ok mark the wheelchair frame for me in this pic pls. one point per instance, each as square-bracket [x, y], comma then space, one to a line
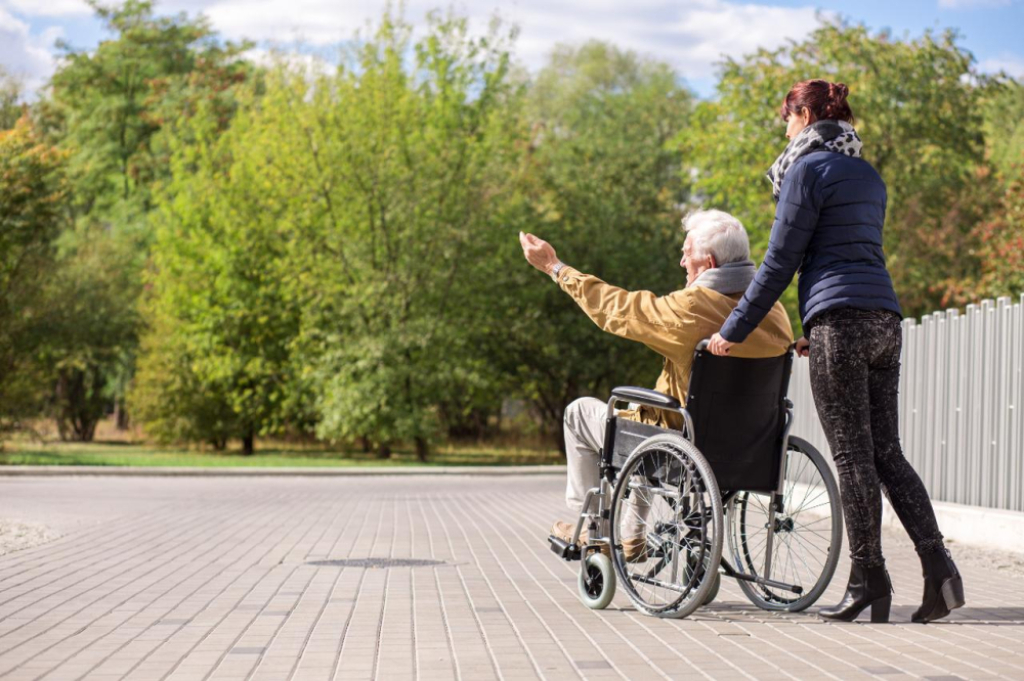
[598, 521]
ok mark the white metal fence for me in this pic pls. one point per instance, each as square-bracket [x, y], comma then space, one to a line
[961, 396]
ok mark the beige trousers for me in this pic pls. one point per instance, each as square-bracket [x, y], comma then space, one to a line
[584, 436]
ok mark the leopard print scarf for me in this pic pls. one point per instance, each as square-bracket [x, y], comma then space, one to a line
[837, 136]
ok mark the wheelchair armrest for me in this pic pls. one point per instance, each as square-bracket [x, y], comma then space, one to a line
[651, 398]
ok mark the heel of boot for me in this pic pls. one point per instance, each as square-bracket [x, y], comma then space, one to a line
[953, 593]
[880, 610]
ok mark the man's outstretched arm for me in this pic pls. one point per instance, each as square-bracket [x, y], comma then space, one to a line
[637, 315]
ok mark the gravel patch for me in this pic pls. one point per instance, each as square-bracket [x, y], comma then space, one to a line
[15, 535]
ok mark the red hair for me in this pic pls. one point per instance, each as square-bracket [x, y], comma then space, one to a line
[823, 99]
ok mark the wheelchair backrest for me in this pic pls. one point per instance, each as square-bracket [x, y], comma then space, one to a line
[738, 410]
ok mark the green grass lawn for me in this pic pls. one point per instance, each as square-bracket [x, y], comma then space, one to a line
[117, 454]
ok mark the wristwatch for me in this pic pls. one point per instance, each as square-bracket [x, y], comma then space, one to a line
[556, 269]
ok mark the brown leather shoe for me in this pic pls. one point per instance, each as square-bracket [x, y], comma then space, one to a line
[564, 530]
[634, 550]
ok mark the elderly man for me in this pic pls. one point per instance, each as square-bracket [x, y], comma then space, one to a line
[716, 257]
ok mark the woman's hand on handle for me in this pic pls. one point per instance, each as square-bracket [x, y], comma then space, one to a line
[803, 347]
[719, 346]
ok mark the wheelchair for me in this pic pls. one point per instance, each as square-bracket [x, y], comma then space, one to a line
[733, 481]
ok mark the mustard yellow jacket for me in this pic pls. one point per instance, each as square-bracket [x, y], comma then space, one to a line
[672, 325]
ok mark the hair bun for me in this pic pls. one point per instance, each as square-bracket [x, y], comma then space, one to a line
[838, 92]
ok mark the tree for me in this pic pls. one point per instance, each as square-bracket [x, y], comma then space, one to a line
[33, 195]
[89, 332]
[221, 320]
[115, 110]
[318, 257]
[413, 163]
[108, 105]
[605, 189]
[917, 104]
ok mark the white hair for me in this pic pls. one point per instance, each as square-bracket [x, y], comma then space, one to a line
[716, 233]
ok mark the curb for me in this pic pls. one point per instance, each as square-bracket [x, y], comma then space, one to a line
[990, 528]
[255, 472]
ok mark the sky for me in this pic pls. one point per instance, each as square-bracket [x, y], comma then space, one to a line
[691, 35]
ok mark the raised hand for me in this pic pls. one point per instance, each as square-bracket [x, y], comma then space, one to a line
[538, 252]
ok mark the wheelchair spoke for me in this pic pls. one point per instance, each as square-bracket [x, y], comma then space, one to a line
[817, 533]
[803, 505]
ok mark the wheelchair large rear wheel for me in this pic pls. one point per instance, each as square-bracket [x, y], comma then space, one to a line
[666, 502]
[808, 533]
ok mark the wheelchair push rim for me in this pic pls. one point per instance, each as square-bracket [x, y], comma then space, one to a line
[808, 533]
[680, 520]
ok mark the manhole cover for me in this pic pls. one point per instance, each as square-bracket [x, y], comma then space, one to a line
[377, 562]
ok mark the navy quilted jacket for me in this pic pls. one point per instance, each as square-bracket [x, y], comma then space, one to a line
[828, 226]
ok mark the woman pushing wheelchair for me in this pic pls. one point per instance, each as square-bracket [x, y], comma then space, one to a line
[828, 225]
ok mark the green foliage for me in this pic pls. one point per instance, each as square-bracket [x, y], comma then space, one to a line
[1000, 250]
[109, 104]
[1004, 128]
[216, 360]
[917, 104]
[90, 324]
[412, 162]
[333, 252]
[115, 111]
[604, 189]
[33, 196]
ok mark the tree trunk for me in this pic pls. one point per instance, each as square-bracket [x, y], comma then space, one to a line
[384, 450]
[249, 443]
[121, 415]
[366, 444]
[422, 449]
[79, 404]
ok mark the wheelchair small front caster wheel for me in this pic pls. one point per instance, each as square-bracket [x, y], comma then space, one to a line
[597, 581]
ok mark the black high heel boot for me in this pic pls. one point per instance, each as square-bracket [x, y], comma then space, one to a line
[867, 587]
[943, 587]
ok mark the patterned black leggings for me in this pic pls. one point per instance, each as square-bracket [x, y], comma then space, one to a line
[855, 373]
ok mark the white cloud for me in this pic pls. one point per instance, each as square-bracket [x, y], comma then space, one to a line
[691, 35]
[47, 8]
[1010, 63]
[24, 54]
[972, 4]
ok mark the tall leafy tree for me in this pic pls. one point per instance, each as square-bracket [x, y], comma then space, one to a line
[605, 190]
[222, 318]
[89, 332]
[326, 246]
[414, 160]
[33, 210]
[107, 105]
[114, 111]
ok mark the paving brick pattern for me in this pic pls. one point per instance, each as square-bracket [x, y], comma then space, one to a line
[267, 578]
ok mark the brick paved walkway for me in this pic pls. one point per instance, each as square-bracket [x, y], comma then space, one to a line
[233, 578]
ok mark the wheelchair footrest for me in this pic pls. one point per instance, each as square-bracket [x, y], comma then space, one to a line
[564, 549]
